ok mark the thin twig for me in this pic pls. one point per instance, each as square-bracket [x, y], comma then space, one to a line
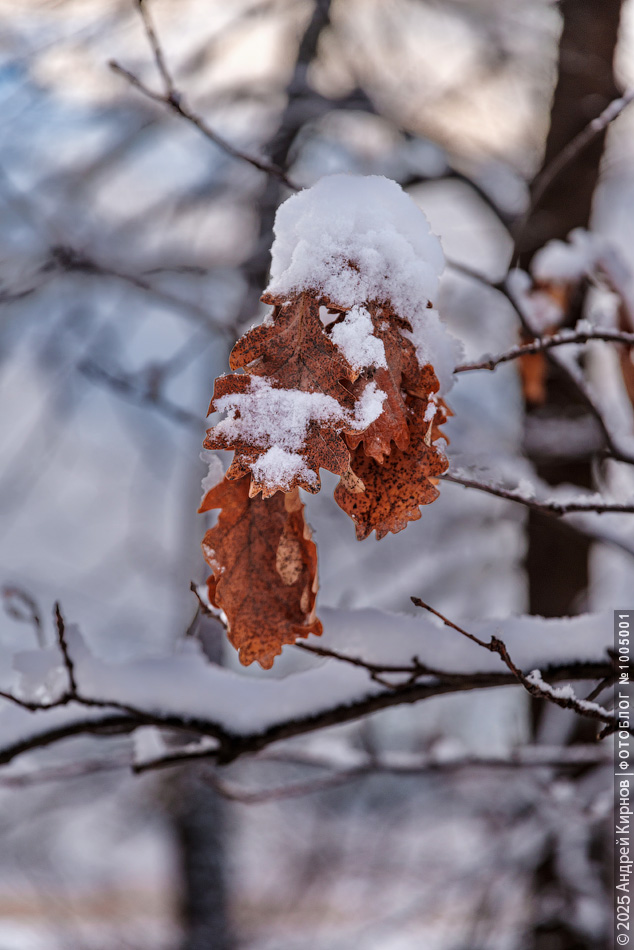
[566, 156]
[157, 52]
[500, 286]
[605, 683]
[549, 343]
[202, 606]
[174, 99]
[556, 508]
[414, 670]
[63, 645]
[244, 796]
[495, 645]
[418, 765]
[175, 102]
[122, 718]
[64, 772]
[69, 260]
[31, 705]
[229, 745]
[612, 450]
[126, 387]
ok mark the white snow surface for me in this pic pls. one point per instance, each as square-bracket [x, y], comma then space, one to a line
[215, 471]
[368, 221]
[280, 467]
[187, 685]
[278, 420]
[371, 223]
[354, 336]
[436, 346]
[564, 692]
[565, 262]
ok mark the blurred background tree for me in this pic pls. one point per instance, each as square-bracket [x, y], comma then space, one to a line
[133, 249]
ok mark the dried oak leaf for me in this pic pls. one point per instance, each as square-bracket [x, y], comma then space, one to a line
[261, 413]
[386, 497]
[294, 355]
[404, 375]
[294, 350]
[264, 565]
[533, 367]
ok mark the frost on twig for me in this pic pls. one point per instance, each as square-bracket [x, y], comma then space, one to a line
[228, 715]
[533, 682]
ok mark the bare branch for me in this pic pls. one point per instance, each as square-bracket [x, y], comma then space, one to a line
[548, 343]
[32, 706]
[157, 52]
[173, 100]
[123, 718]
[109, 724]
[556, 508]
[417, 765]
[70, 260]
[378, 671]
[530, 757]
[64, 772]
[234, 793]
[63, 645]
[534, 686]
[605, 683]
[202, 606]
[612, 450]
[560, 162]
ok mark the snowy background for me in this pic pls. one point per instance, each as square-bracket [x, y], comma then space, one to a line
[130, 256]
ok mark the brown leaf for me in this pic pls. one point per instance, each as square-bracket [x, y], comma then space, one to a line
[294, 350]
[321, 446]
[386, 497]
[546, 296]
[264, 565]
[403, 376]
[294, 355]
[533, 370]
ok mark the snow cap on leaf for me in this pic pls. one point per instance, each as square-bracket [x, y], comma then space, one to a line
[355, 238]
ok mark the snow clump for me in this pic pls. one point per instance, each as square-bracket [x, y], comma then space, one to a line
[354, 239]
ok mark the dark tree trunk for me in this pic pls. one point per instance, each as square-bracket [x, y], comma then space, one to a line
[557, 564]
[198, 816]
[557, 561]
[199, 822]
[585, 86]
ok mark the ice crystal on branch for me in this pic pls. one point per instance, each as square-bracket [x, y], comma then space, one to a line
[359, 397]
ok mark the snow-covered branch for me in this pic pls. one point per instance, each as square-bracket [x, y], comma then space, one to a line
[533, 682]
[592, 503]
[231, 715]
[563, 338]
